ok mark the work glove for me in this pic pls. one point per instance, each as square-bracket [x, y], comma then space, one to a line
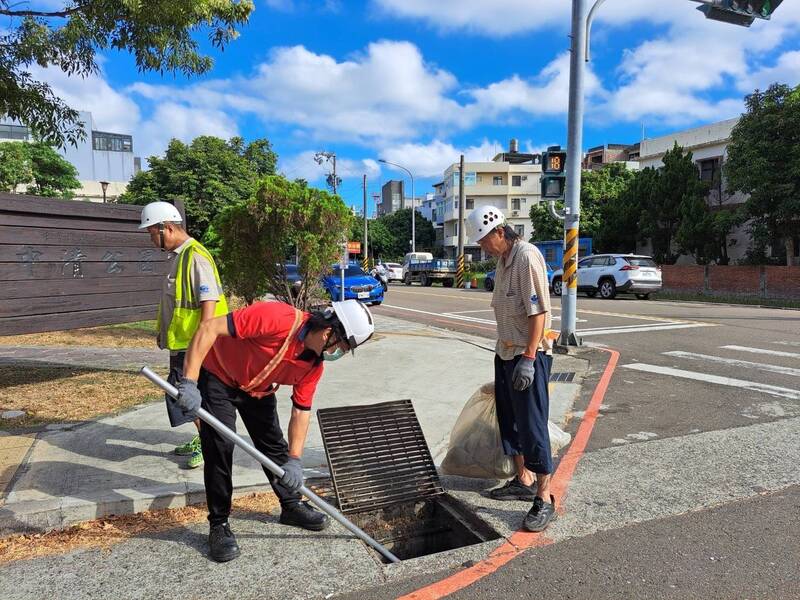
[524, 374]
[188, 397]
[292, 474]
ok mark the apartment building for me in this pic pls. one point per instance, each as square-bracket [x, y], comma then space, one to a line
[392, 198]
[599, 156]
[510, 181]
[708, 145]
[102, 157]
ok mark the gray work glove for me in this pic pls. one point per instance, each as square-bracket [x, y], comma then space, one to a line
[524, 374]
[188, 397]
[292, 474]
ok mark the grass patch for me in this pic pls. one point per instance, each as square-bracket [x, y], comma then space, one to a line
[141, 334]
[69, 394]
[728, 299]
[106, 532]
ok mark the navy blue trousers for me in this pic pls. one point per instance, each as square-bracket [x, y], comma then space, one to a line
[523, 415]
[176, 415]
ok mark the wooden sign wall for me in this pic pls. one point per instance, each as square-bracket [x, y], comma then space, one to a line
[66, 264]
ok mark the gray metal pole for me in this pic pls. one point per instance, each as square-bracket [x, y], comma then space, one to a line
[229, 435]
[366, 228]
[413, 217]
[461, 195]
[572, 209]
[334, 175]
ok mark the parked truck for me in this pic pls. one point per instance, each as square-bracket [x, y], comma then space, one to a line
[422, 267]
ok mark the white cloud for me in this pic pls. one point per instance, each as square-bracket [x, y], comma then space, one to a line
[111, 110]
[304, 166]
[786, 70]
[431, 159]
[173, 120]
[546, 94]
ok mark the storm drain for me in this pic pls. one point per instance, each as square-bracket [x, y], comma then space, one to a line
[385, 481]
[566, 377]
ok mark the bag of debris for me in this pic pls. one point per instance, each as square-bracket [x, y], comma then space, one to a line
[476, 449]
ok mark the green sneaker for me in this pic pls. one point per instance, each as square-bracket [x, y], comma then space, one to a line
[196, 459]
[189, 447]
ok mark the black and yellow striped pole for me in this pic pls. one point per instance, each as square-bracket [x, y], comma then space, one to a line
[460, 272]
[570, 263]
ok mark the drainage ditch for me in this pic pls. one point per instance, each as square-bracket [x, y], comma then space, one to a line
[385, 481]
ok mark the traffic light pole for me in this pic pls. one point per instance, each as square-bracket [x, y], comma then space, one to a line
[572, 200]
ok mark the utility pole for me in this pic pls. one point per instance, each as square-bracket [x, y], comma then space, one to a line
[333, 180]
[366, 227]
[460, 270]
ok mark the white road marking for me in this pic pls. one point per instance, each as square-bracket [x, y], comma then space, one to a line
[745, 364]
[788, 343]
[761, 351]
[753, 386]
[638, 329]
[463, 312]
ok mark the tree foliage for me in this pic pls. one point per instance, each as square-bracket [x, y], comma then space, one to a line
[764, 162]
[382, 242]
[398, 224]
[258, 234]
[206, 175]
[39, 167]
[159, 34]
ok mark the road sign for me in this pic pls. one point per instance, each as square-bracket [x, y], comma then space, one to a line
[354, 247]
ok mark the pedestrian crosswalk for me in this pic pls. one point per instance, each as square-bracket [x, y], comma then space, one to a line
[731, 368]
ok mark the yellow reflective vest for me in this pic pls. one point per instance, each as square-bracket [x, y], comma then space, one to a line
[186, 316]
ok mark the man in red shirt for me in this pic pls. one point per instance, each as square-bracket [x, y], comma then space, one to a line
[235, 363]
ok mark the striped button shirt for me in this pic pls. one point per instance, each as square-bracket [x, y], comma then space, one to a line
[520, 291]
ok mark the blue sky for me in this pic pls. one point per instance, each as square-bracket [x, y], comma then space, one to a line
[420, 81]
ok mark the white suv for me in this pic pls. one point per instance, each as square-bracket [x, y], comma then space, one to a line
[610, 274]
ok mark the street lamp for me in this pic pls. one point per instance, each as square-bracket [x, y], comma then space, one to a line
[413, 208]
[730, 11]
[104, 185]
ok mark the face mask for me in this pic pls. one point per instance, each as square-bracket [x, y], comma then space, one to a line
[335, 355]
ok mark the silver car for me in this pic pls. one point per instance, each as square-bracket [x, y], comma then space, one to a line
[611, 274]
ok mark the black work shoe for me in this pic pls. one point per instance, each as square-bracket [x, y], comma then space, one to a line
[222, 543]
[302, 515]
[514, 489]
[540, 515]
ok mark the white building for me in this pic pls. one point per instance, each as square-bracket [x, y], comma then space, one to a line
[708, 145]
[510, 182]
[100, 157]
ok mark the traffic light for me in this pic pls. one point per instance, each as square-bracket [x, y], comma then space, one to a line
[739, 12]
[554, 161]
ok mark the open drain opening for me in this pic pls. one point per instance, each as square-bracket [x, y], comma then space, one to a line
[386, 483]
[414, 529]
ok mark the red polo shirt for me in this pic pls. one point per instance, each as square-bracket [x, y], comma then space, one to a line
[257, 334]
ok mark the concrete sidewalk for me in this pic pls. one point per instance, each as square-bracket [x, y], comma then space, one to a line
[124, 464]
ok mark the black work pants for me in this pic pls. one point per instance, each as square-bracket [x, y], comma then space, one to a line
[523, 416]
[175, 413]
[261, 420]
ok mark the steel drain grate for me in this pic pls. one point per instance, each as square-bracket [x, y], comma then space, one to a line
[566, 377]
[377, 455]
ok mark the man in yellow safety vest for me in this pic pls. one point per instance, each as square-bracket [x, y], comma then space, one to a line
[191, 293]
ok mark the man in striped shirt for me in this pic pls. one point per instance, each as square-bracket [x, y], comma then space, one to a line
[523, 358]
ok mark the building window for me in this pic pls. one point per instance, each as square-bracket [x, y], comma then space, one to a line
[497, 180]
[14, 132]
[470, 203]
[520, 230]
[469, 178]
[597, 159]
[111, 142]
[709, 169]
[516, 203]
[549, 255]
[516, 180]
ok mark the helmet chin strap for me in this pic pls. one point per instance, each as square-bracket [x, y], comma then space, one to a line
[161, 236]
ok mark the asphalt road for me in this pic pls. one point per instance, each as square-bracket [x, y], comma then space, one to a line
[688, 487]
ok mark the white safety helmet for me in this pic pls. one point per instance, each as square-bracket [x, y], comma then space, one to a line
[159, 212]
[356, 320]
[482, 220]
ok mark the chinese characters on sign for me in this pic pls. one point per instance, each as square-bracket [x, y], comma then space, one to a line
[113, 258]
[72, 262]
[29, 256]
